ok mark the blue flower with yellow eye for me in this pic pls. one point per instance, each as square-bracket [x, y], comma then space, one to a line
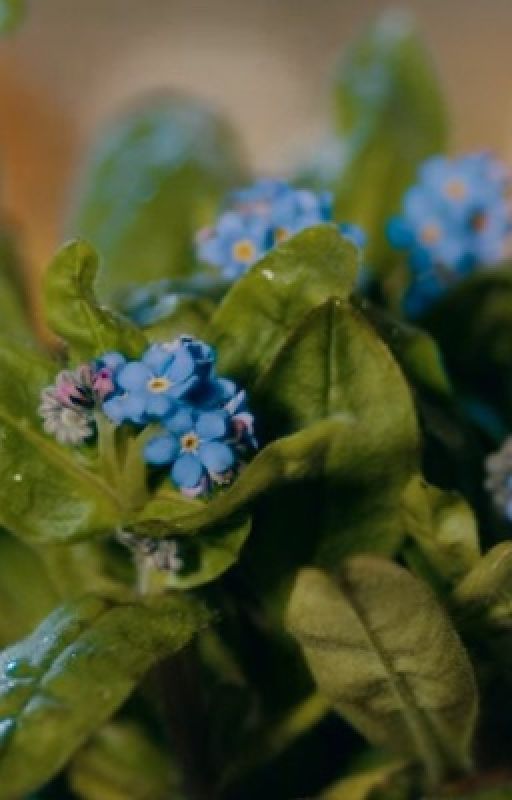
[199, 447]
[262, 216]
[152, 387]
[455, 219]
[237, 241]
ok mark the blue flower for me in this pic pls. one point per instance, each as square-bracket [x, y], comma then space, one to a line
[152, 387]
[455, 219]
[297, 209]
[264, 215]
[198, 446]
[238, 240]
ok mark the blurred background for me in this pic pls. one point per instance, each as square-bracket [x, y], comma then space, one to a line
[266, 64]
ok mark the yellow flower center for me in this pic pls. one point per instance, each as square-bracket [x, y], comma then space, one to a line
[244, 251]
[158, 385]
[456, 189]
[281, 235]
[190, 442]
[430, 233]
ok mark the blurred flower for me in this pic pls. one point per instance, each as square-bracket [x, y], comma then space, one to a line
[238, 240]
[264, 215]
[68, 425]
[456, 218]
[499, 478]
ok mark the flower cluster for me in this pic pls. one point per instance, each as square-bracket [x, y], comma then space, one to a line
[261, 216]
[455, 218]
[498, 482]
[206, 428]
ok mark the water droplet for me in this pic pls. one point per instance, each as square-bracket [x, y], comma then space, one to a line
[17, 477]
[7, 728]
[18, 668]
[268, 274]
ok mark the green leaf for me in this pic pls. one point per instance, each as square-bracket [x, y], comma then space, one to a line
[73, 312]
[11, 14]
[66, 679]
[361, 785]
[46, 491]
[121, 761]
[444, 527]
[154, 178]
[481, 365]
[402, 679]
[27, 593]
[488, 587]
[14, 314]
[391, 116]
[417, 353]
[266, 305]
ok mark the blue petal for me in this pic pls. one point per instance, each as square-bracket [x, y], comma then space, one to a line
[134, 376]
[161, 450]
[157, 358]
[181, 367]
[187, 471]
[114, 409]
[112, 360]
[159, 405]
[182, 388]
[135, 406]
[212, 425]
[181, 422]
[216, 456]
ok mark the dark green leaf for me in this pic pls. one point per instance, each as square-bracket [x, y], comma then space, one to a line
[46, 490]
[62, 682]
[266, 305]
[481, 362]
[121, 761]
[154, 178]
[381, 648]
[444, 527]
[392, 117]
[73, 312]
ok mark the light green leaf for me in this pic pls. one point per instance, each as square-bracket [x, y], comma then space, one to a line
[488, 587]
[266, 305]
[11, 14]
[62, 682]
[381, 648]
[391, 117]
[154, 178]
[73, 312]
[444, 527]
[46, 490]
[121, 761]
[27, 593]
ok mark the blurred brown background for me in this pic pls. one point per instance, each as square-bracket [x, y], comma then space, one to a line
[265, 63]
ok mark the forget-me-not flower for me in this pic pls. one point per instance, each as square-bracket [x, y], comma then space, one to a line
[456, 218]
